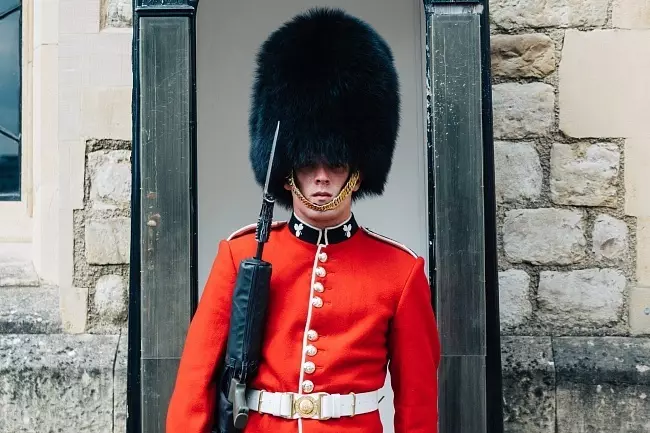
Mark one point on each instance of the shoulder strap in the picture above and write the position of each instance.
(251, 229)
(390, 241)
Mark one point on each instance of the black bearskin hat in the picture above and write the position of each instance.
(329, 79)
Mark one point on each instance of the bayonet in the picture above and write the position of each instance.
(268, 201)
(268, 170)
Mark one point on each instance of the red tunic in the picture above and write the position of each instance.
(370, 303)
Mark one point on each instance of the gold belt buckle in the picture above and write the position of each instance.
(307, 406)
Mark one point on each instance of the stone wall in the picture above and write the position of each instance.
(102, 234)
(572, 230)
(93, 77)
(568, 239)
(566, 245)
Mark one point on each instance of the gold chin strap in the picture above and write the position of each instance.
(345, 192)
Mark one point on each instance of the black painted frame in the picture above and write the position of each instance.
(494, 384)
(188, 8)
(154, 8)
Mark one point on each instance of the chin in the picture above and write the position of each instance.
(318, 218)
(322, 216)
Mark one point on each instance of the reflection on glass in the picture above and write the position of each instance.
(9, 100)
(9, 169)
(6, 5)
(10, 73)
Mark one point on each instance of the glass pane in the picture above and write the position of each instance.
(9, 169)
(165, 158)
(5, 5)
(10, 74)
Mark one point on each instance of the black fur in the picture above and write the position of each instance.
(330, 80)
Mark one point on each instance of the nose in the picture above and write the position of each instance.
(321, 176)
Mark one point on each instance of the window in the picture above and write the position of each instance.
(10, 96)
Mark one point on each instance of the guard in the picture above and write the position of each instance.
(345, 303)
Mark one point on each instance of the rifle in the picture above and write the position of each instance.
(249, 302)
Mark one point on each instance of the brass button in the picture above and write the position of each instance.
(317, 302)
(318, 287)
(309, 367)
(307, 386)
(320, 272)
(312, 335)
(322, 257)
(311, 350)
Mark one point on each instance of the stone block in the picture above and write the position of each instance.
(584, 174)
(643, 251)
(45, 149)
(610, 238)
(117, 13)
(15, 223)
(74, 309)
(631, 14)
(603, 384)
(111, 298)
(79, 16)
(29, 310)
(18, 273)
(515, 14)
(69, 107)
(107, 112)
(57, 383)
(586, 408)
(110, 183)
(637, 177)
(518, 172)
(575, 301)
(522, 110)
(120, 386)
(603, 89)
(104, 70)
(528, 384)
(522, 56)
(600, 360)
(15, 252)
(107, 241)
(16, 266)
(46, 29)
(77, 173)
(515, 307)
(640, 311)
(544, 236)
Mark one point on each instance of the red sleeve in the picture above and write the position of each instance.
(414, 357)
(193, 401)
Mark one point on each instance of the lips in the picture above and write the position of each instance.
(321, 195)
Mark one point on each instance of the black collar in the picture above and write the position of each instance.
(329, 235)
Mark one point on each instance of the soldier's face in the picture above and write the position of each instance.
(320, 183)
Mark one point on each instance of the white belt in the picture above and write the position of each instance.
(319, 406)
